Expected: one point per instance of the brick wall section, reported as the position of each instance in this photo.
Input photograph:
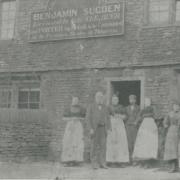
(160, 45)
(24, 135)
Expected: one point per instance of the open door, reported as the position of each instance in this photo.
(125, 88)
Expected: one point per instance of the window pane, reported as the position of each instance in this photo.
(34, 96)
(5, 16)
(29, 98)
(23, 106)
(23, 96)
(4, 34)
(159, 5)
(10, 33)
(177, 15)
(164, 6)
(178, 5)
(177, 10)
(163, 17)
(11, 14)
(5, 98)
(154, 17)
(5, 5)
(12, 5)
(34, 105)
(5, 25)
(159, 11)
(8, 19)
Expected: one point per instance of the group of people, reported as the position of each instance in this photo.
(119, 134)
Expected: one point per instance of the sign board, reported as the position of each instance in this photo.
(96, 19)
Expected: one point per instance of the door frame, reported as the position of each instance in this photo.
(116, 79)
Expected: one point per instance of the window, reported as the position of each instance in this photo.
(5, 97)
(8, 19)
(158, 11)
(29, 98)
(178, 10)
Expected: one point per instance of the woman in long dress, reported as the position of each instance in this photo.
(146, 145)
(117, 144)
(73, 143)
(172, 122)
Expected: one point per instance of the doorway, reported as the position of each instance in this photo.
(125, 88)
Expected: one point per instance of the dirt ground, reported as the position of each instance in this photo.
(53, 170)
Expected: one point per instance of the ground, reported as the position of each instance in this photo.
(52, 170)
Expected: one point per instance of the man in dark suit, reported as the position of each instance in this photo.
(99, 124)
(131, 123)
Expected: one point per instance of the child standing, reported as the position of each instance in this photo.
(172, 122)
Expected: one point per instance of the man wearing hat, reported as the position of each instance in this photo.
(131, 123)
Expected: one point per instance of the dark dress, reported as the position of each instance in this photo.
(172, 121)
(131, 127)
(98, 119)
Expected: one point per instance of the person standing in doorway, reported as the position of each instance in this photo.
(98, 118)
(131, 124)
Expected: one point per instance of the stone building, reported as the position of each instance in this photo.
(39, 75)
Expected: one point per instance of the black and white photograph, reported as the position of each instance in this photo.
(90, 89)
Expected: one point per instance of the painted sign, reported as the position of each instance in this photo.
(100, 18)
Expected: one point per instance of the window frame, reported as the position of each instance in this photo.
(147, 15)
(9, 89)
(15, 20)
(174, 14)
(15, 86)
(29, 88)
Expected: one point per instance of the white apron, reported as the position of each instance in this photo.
(146, 145)
(73, 144)
(117, 144)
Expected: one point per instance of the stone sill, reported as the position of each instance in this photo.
(160, 26)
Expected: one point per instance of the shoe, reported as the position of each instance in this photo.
(95, 166)
(134, 163)
(104, 166)
(174, 170)
(146, 166)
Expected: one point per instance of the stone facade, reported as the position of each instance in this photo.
(83, 66)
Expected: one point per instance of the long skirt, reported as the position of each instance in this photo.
(146, 145)
(171, 144)
(131, 130)
(117, 144)
(73, 144)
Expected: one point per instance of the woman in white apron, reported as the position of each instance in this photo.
(117, 144)
(171, 153)
(73, 143)
(146, 145)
